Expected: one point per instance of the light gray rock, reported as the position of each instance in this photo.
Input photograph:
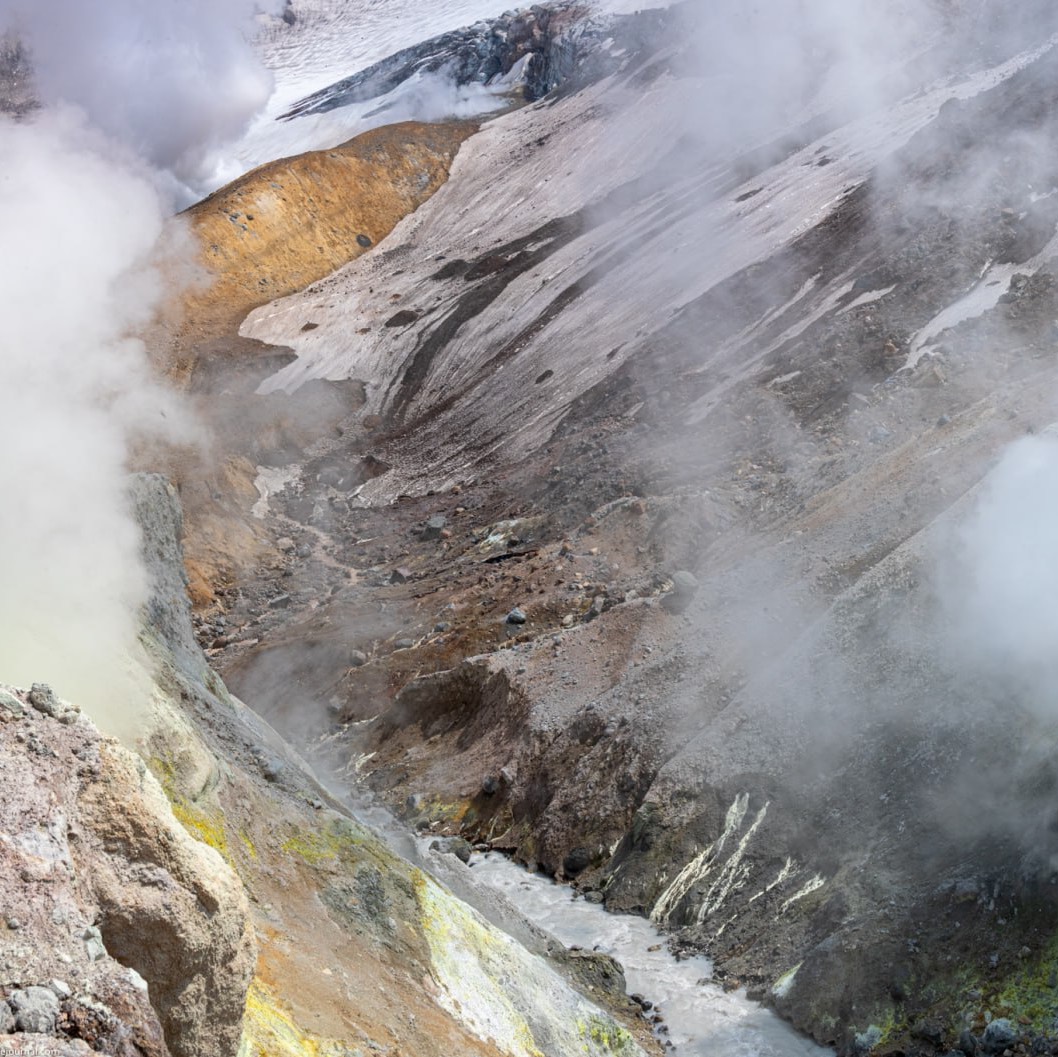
(93, 941)
(36, 1009)
(43, 699)
(10, 703)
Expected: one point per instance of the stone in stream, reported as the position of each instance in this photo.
(456, 846)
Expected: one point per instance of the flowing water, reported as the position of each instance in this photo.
(701, 1019)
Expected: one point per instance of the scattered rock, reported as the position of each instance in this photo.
(279, 602)
(400, 575)
(272, 769)
(43, 699)
(363, 241)
(286, 545)
(594, 897)
(405, 317)
(10, 703)
(434, 527)
(516, 616)
(357, 658)
(1000, 1034)
(59, 988)
(93, 942)
(928, 1030)
(36, 1010)
(404, 644)
(685, 584)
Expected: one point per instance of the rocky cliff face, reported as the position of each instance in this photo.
(122, 932)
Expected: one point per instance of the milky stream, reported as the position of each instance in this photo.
(702, 1020)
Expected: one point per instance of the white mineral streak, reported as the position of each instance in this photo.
(731, 875)
(813, 885)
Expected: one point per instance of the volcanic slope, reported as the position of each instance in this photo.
(718, 438)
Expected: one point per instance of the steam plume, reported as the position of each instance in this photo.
(174, 81)
(138, 94)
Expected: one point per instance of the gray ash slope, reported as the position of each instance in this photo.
(797, 369)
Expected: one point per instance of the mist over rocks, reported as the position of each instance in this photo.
(714, 365)
(172, 82)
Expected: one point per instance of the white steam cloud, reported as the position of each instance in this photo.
(79, 274)
(174, 79)
(138, 96)
(773, 65)
(1001, 581)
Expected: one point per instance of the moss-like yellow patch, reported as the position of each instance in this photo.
(269, 1030)
(207, 827)
(1030, 995)
(601, 1034)
(335, 842)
